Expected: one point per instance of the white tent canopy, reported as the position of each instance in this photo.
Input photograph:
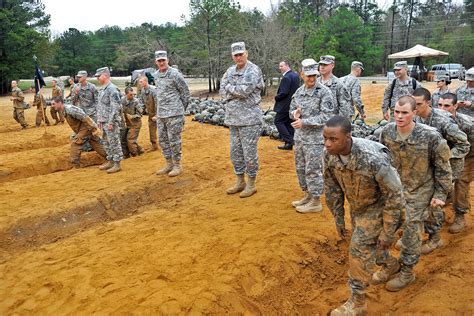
(417, 51)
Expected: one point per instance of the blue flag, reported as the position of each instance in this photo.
(39, 81)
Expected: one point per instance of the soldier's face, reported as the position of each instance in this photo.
(470, 83)
(325, 69)
(56, 105)
(403, 114)
(53, 83)
(400, 73)
(422, 106)
(82, 79)
(102, 78)
(14, 84)
(130, 95)
(336, 141)
(309, 81)
(447, 105)
(143, 82)
(441, 83)
(162, 64)
(240, 59)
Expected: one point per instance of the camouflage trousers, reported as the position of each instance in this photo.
(169, 136)
(131, 143)
(152, 126)
(244, 148)
(40, 116)
(435, 220)
(123, 142)
(77, 144)
(112, 144)
(19, 116)
(462, 194)
(309, 167)
(58, 116)
(413, 234)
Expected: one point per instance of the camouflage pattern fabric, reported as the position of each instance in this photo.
(112, 143)
(40, 104)
(343, 105)
(148, 101)
(172, 93)
(352, 85)
(401, 88)
(19, 116)
(18, 94)
(464, 93)
(243, 149)
(436, 95)
(87, 98)
(169, 136)
(309, 168)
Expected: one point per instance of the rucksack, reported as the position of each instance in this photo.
(413, 84)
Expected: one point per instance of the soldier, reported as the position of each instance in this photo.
(18, 109)
(465, 95)
(172, 99)
(311, 106)
(343, 105)
(147, 98)
(360, 171)
(56, 92)
(400, 86)
(85, 95)
(352, 85)
(442, 82)
(421, 157)
(240, 89)
(459, 145)
(84, 128)
(461, 196)
(108, 119)
(40, 104)
(132, 110)
(71, 88)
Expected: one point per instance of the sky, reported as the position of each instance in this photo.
(90, 15)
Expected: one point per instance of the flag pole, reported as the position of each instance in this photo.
(42, 106)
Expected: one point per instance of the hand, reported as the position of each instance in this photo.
(342, 231)
(384, 244)
(437, 202)
(154, 118)
(363, 116)
(386, 116)
(77, 90)
(110, 127)
(467, 104)
(297, 113)
(129, 116)
(298, 123)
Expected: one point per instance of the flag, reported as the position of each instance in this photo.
(39, 81)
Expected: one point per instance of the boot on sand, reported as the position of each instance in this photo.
(403, 278)
(458, 225)
(306, 198)
(313, 206)
(249, 189)
(176, 170)
(385, 272)
(434, 242)
(239, 185)
(106, 165)
(166, 169)
(115, 167)
(355, 305)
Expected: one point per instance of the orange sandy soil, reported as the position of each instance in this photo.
(80, 241)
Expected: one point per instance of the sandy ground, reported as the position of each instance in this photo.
(81, 241)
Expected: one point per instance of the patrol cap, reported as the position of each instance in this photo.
(470, 74)
(442, 77)
(103, 70)
(161, 54)
(357, 64)
(310, 67)
(81, 73)
(400, 64)
(238, 48)
(327, 59)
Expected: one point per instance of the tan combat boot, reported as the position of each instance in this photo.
(115, 168)
(239, 185)
(434, 242)
(458, 225)
(106, 165)
(249, 189)
(403, 278)
(385, 272)
(314, 205)
(167, 168)
(176, 170)
(355, 305)
(399, 244)
(306, 198)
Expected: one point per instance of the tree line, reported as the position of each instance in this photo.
(349, 30)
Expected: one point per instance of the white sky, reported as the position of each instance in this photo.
(90, 15)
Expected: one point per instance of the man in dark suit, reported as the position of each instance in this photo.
(288, 85)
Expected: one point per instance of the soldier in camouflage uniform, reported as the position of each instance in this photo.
(241, 86)
(352, 85)
(172, 99)
(18, 110)
(311, 106)
(84, 128)
(343, 105)
(459, 145)
(421, 157)
(108, 118)
(40, 104)
(85, 95)
(71, 88)
(461, 196)
(56, 92)
(400, 86)
(465, 95)
(132, 111)
(147, 98)
(360, 171)
(442, 82)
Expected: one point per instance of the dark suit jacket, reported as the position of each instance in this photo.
(288, 85)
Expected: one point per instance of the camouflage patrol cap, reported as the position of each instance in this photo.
(81, 73)
(161, 54)
(470, 74)
(103, 70)
(327, 59)
(310, 67)
(441, 77)
(237, 48)
(400, 64)
(357, 64)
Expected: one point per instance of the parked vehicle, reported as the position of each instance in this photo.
(452, 70)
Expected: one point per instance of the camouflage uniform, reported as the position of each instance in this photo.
(82, 125)
(352, 84)
(40, 104)
(172, 99)
(147, 98)
(240, 89)
(401, 88)
(342, 97)
(375, 195)
(464, 93)
(132, 110)
(422, 161)
(86, 98)
(436, 95)
(108, 112)
(58, 116)
(317, 106)
(18, 110)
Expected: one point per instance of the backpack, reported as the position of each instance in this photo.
(413, 84)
